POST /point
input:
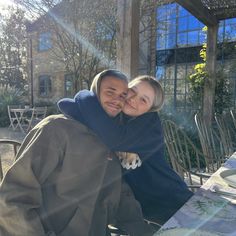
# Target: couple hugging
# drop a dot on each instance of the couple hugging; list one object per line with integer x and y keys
{"x": 101, "y": 162}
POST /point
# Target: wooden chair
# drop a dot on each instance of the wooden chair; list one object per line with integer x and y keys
{"x": 211, "y": 144}
{"x": 186, "y": 159}
{"x": 8, "y": 152}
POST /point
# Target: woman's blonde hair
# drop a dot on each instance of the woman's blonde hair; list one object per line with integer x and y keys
{"x": 159, "y": 92}
{"x": 95, "y": 86}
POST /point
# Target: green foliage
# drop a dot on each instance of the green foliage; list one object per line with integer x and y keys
{"x": 13, "y": 49}
{"x": 222, "y": 89}
{"x": 8, "y": 96}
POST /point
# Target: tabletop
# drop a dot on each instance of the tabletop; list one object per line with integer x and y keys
{"x": 211, "y": 211}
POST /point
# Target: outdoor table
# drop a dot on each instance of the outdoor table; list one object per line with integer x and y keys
{"x": 22, "y": 114}
{"x": 207, "y": 212}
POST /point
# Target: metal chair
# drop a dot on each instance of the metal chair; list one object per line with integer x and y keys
{"x": 226, "y": 133}
{"x": 12, "y": 116}
{"x": 186, "y": 159}
{"x": 8, "y": 152}
{"x": 211, "y": 144}
{"x": 38, "y": 114}
{"x": 233, "y": 116}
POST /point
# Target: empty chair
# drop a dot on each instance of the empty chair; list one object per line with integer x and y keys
{"x": 8, "y": 151}
{"x": 226, "y": 133}
{"x": 38, "y": 114}
{"x": 12, "y": 116}
{"x": 186, "y": 159}
{"x": 233, "y": 116}
{"x": 211, "y": 144}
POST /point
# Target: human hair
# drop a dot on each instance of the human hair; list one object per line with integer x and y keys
{"x": 95, "y": 86}
{"x": 159, "y": 92}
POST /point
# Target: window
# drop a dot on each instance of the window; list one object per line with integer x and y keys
{"x": 45, "y": 85}
{"x": 45, "y": 41}
{"x": 68, "y": 85}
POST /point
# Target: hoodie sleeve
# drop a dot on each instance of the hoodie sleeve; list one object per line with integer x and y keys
{"x": 127, "y": 137}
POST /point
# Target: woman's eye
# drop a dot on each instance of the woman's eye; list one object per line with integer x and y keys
{"x": 143, "y": 101}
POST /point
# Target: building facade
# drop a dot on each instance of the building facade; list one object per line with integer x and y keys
{"x": 180, "y": 37}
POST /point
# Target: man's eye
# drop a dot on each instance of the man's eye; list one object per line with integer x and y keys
{"x": 109, "y": 93}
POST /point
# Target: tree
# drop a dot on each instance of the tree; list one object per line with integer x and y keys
{"x": 83, "y": 34}
{"x": 13, "y": 49}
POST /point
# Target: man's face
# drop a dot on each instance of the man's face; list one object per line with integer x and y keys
{"x": 113, "y": 92}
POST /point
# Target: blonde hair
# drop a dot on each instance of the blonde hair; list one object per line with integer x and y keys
{"x": 159, "y": 92}
{"x": 95, "y": 86}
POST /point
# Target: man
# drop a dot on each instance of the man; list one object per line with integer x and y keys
{"x": 66, "y": 181}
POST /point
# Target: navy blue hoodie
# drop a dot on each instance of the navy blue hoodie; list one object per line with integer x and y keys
{"x": 160, "y": 191}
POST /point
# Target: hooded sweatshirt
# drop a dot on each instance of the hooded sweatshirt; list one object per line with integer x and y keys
{"x": 158, "y": 188}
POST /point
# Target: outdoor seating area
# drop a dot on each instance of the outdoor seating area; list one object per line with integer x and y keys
{"x": 188, "y": 158}
{"x": 168, "y": 104}
{"x": 25, "y": 118}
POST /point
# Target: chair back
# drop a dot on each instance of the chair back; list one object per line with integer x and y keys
{"x": 233, "y": 116}
{"x": 38, "y": 114}
{"x": 226, "y": 133}
{"x": 8, "y": 150}
{"x": 211, "y": 144}
{"x": 186, "y": 159}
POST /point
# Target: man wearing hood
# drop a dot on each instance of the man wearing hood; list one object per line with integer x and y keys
{"x": 66, "y": 182}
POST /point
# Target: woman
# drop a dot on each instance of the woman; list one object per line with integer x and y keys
{"x": 160, "y": 191}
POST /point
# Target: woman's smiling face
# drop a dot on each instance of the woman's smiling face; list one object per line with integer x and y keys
{"x": 139, "y": 100}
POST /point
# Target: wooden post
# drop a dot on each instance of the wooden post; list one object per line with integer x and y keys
{"x": 128, "y": 37}
{"x": 210, "y": 83}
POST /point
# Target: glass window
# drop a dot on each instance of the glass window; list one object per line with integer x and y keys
{"x": 182, "y": 24}
{"x": 68, "y": 85}
{"x": 45, "y": 85}
{"x": 193, "y": 38}
{"x": 171, "y": 11}
{"x": 45, "y": 41}
{"x": 182, "y": 11}
{"x": 230, "y": 21}
{"x": 161, "y": 39}
{"x": 182, "y": 39}
{"x": 171, "y": 26}
{"x": 202, "y": 37}
{"x": 170, "y": 41}
{"x": 161, "y": 13}
{"x": 193, "y": 23}
{"x": 160, "y": 72}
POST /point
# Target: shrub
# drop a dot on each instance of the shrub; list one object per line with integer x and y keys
{"x": 8, "y": 96}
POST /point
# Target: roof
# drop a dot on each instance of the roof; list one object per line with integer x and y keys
{"x": 210, "y": 12}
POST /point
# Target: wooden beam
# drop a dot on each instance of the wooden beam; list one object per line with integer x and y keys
{"x": 210, "y": 83}
{"x": 128, "y": 37}
{"x": 197, "y": 9}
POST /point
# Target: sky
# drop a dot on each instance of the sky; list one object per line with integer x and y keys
{"x": 4, "y": 4}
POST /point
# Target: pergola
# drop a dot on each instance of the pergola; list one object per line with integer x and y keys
{"x": 209, "y": 12}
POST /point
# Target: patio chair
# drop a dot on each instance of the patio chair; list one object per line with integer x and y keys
{"x": 8, "y": 151}
{"x": 233, "y": 116}
{"x": 12, "y": 116}
{"x": 226, "y": 133}
{"x": 38, "y": 114}
{"x": 212, "y": 146}
{"x": 186, "y": 159}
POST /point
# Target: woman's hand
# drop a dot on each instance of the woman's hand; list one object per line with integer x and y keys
{"x": 129, "y": 160}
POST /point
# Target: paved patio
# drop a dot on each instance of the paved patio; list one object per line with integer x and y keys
{"x": 6, "y": 151}
{"x": 10, "y": 134}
